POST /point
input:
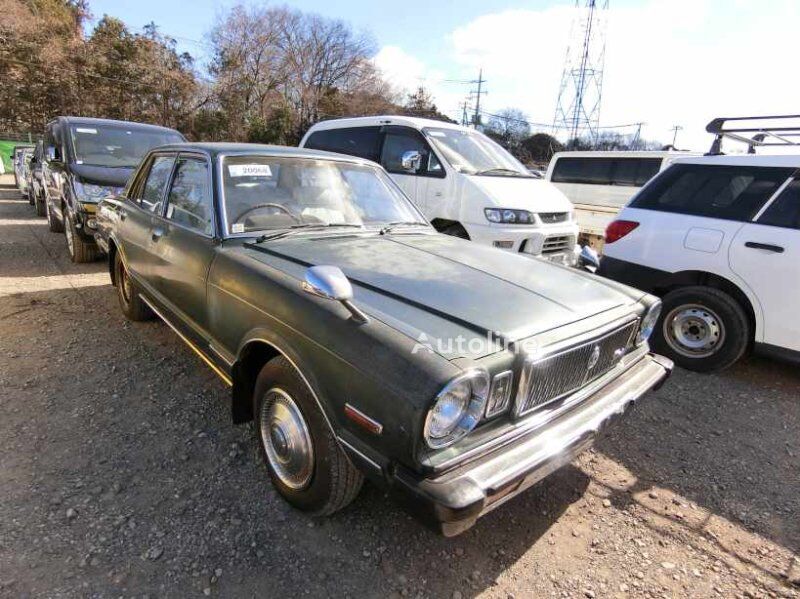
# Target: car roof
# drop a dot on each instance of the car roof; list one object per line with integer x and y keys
{"x": 622, "y": 154}
{"x": 776, "y": 160}
{"x": 215, "y": 149}
{"x": 84, "y": 120}
{"x": 386, "y": 119}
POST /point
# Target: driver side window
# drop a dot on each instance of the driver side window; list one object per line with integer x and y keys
{"x": 152, "y": 192}
{"x": 397, "y": 143}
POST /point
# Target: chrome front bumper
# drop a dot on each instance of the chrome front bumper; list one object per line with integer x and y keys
{"x": 452, "y": 502}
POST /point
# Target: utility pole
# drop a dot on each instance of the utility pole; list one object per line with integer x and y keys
{"x": 675, "y": 130}
{"x": 476, "y": 119}
{"x": 464, "y": 117}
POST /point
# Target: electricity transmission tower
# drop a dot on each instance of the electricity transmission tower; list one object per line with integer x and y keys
{"x": 578, "y": 105}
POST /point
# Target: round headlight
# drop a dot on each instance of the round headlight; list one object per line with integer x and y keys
{"x": 648, "y": 323}
{"x": 457, "y": 409}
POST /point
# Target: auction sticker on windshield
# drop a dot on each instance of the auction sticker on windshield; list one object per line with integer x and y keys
{"x": 249, "y": 170}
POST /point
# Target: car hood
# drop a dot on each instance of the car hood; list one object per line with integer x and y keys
{"x": 521, "y": 193}
{"x": 101, "y": 175}
{"x": 435, "y": 288}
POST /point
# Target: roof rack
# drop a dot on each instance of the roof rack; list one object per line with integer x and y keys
{"x": 764, "y": 134}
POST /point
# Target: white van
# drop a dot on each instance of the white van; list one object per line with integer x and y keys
{"x": 599, "y": 184}
{"x": 464, "y": 183}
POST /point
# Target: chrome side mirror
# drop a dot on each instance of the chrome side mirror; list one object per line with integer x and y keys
{"x": 329, "y": 282}
{"x": 411, "y": 161}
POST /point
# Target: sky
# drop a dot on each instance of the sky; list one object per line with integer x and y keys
{"x": 667, "y": 62}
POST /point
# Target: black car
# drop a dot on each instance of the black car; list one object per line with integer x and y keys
{"x": 363, "y": 342}
{"x": 86, "y": 160}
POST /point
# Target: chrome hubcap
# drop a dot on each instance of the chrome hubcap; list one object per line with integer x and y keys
{"x": 694, "y": 331}
{"x": 286, "y": 439}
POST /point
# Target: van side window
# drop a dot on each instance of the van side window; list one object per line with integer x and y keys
{"x": 628, "y": 172}
{"x": 397, "y": 143}
{"x": 785, "y": 210}
{"x": 363, "y": 142}
{"x": 715, "y": 191}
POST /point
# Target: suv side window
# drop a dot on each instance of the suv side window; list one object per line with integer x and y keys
{"x": 785, "y": 210}
{"x": 152, "y": 195}
{"x": 714, "y": 191}
{"x": 189, "y": 201}
{"x": 398, "y": 142}
{"x": 364, "y": 142}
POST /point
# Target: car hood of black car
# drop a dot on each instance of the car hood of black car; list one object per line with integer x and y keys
{"x": 101, "y": 175}
{"x": 436, "y": 288}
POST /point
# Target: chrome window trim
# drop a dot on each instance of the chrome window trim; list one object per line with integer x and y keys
{"x": 772, "y": 199}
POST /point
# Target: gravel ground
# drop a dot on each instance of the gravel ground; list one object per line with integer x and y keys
{"x": 122, "y": 476}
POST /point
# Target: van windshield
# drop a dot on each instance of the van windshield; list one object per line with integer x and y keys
{"x": 472, "y": 153}
{"x": 121, "y": 147}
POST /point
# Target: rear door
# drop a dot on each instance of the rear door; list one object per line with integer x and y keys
{"x": 766, "y": 254}
{"x": 184, "y": 244}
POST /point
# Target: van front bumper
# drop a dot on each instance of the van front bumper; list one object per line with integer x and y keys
{"x": 452, "y": 502}
{"x": 535, "y": 240}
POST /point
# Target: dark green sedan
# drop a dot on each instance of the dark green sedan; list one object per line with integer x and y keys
{"x": 364, "y": 343}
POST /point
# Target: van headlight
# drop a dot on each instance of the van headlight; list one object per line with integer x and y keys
{"x": 457, "y": 409}
{"x": 648, "y": 323}
{"x": 88, "y": 192}
{"x": 509, "y": 216}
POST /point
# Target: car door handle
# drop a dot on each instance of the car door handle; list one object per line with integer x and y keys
{"x": 764, "y": 246}
{"x": 157, "y": 234}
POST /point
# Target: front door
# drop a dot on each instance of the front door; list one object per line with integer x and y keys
{"x": 141, "y": 214}
{"x": 184, "y": 244}
{"x": 766, "y": 254}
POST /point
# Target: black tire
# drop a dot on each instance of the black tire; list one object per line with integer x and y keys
{"x": 334, "y": 481}
{"x": 80, "y": 251}
{"x": 55, "y": 225}
{"x": 40, "y": 205}
{"x": 130, "y": 301}
{"x": 456, "y": 230}
{"x": 724, "y": 331}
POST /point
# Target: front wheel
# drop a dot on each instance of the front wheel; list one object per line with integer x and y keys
{"x": 80, "y": 251}
{"x": 702, "y": 329}
{"x": 303, "y": 458}
{"x": 55, "y": 225}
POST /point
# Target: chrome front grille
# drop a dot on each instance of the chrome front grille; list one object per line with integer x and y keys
{"x": 550, "y": 218}
{"x": 554, "y": 376}
{"x": 557, "y": 243}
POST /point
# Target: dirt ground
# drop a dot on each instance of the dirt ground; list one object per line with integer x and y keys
{"x": 122, "y": 476}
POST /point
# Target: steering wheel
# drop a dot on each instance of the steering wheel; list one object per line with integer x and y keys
{"x": 280, "y": 207}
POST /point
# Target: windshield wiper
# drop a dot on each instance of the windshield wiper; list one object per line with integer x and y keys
{"x": 389, "y": 227}
{"x": 490, "y": 171}
{"x": 302, "y": 226}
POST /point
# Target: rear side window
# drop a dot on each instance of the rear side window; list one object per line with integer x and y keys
{"x": 785, "y": 210}
{"x": 157, "y": 179}
{"x": 715, "y": 191}
{"x": 629, "y": 172}
{"x": 363, "y": 142}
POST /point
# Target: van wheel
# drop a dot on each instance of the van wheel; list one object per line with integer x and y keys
{"x": 128, "y": 294}
{"x": 80, "y": 251}
{"x": 456, "y": 230}
{"x": 55, "y": 225}
{"x": 305, "y": 463}
{"x": 702, "y": 329}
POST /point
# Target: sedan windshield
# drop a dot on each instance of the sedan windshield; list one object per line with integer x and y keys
{"x": 116, "y": 146}
{"x": 472, "y": 153}
{"x": 264, "y": 192}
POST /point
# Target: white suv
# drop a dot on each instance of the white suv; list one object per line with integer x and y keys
{"x": 718, "y": 238}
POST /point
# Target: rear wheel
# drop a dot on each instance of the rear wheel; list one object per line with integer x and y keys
{"x": 80, "y": 251}
{"x": 303, "y": 458}
{"x": 702, "y": 329}
{"x": 130, "y": 302}
{"x": 456, "y": 230}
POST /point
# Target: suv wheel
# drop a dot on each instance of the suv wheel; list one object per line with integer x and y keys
{"x": 79, "y": 250}
{"x": 55, "y": 225}
{"x": 129, "y": 301}
{"x": 305, "y": 463}
{"x": 702, "y": 329}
